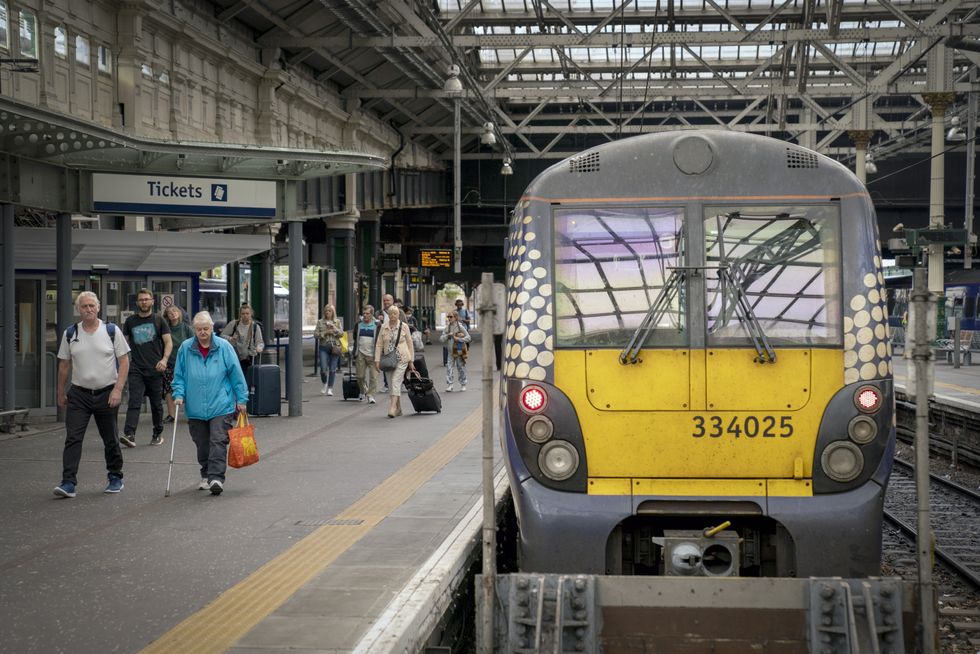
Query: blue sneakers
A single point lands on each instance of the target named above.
(65, 489)
(114, 486)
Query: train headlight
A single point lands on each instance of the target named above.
(867, 399)
(558, 460)
(539, 429)
(842, 461)
(862, 430)
(533, 399)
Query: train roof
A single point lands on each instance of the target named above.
(696, 164)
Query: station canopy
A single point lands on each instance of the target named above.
(552, 77)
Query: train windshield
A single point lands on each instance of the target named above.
(785, 261)
(610, 266)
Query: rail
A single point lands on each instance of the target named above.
(948, 533)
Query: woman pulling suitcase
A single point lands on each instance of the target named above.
(395, 355)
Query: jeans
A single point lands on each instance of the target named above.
(149, 384)
(329, 363)
(82, 405)
(456, 364)
(211, 439)
(367, 375)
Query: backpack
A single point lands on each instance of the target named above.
(73, 329)
(110, 327)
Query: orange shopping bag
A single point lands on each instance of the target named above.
(242, 450)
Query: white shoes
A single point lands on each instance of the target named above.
(329, 391)
(323, 391)
(204, 484)
(371, 399)
(449, 389)
(462, 389)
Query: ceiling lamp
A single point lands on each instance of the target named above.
(955, 132)
(870, 167)
(507, 169)
(453, 85)
(488, 137)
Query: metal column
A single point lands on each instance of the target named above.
(294, 359)
(971, 150)
(7, 309)
(64, 309)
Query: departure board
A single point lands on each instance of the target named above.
(436, 258)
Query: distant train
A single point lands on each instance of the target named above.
(212, 299)
(697, 378)
(962, 290)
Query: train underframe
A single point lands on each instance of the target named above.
(835, 534)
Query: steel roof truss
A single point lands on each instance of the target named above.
(901, 15)
(728, 16)
(714, 72)
(840, 64)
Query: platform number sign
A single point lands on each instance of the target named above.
(429, 258)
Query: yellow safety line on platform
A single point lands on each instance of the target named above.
(220, 624)
(952, 387)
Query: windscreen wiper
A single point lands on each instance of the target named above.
(657, 310)
(732, 282)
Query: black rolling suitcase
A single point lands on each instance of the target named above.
(264, 390)
(352, 390)
(423, 394)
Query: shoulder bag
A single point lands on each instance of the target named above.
(389, 360)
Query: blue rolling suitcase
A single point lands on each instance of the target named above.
(264, 390)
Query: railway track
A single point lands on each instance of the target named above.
(955, 513)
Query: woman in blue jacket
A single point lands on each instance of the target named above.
(208, 375)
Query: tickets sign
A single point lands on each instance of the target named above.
(182, 196)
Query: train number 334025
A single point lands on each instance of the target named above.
(743, 427)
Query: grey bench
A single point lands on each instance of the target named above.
(13, 417)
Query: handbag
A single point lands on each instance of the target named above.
(389, 360)
(242, 448)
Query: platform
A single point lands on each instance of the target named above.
(302, 551)
(959, 387)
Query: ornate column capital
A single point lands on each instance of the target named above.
(861, 137)
(938, 102)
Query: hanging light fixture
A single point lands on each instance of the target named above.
(870, 167)
(487, 137)
(453, 84)
(955, 132)
(507, 169)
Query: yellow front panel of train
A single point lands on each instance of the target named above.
(663, 376)
(774, 439)
(735, 382)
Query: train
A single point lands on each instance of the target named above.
(961, 287)
(697, 376)
(212, 299)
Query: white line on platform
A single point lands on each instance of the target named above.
(408, 620)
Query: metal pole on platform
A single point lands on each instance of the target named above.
(923, 303)
(487, 309)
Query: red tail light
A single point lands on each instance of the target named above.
(533, 399)
(867, 399)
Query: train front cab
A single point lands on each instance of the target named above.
(646, 468)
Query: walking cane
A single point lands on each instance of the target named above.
(173, 441)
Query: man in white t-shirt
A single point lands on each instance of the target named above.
(97, 356)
